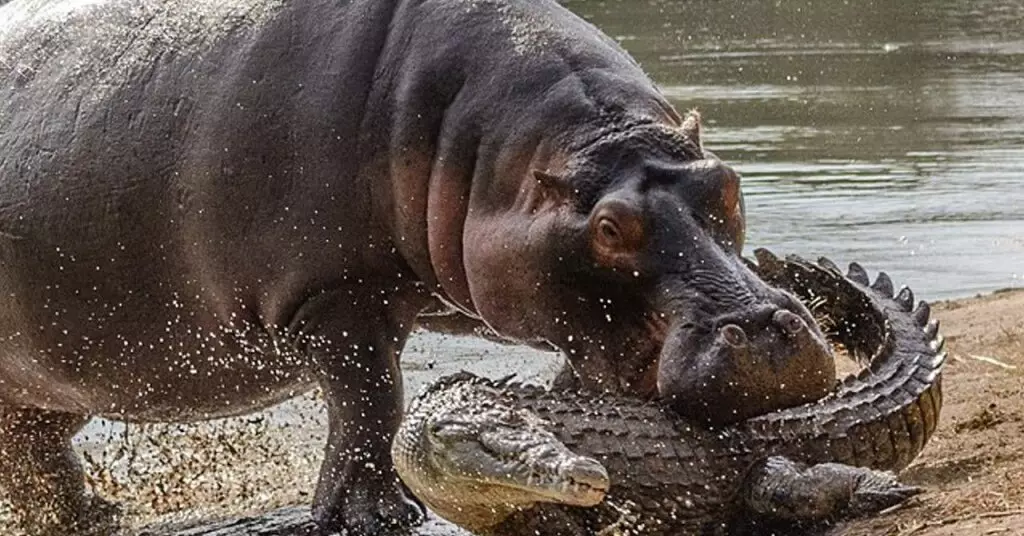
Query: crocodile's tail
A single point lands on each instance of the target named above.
(882, 417)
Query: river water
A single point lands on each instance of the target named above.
(890, 133)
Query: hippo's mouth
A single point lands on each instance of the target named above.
(745, 363)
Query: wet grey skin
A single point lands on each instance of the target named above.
(469, 443)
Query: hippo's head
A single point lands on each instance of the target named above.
(627, 258)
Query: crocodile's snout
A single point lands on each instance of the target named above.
(584, 480)
(476, 458)
(550, 471)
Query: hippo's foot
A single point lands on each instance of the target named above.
(366, 512)
(358, 490)
(99, 517)
(41, 477)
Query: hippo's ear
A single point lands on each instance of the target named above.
(691, 129)
(553, 186)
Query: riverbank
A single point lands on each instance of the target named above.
(973, 468)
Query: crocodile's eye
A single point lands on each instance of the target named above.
(512, 418)
(450, 430)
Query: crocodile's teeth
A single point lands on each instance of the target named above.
(883, 285)
(905, 297)
(827, 264)
(922, 313)
(931, 329)
(857, 274)
(937, 344)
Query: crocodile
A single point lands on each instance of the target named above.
(502, 458)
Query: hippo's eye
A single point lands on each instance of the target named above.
(617, 234)
(609, 230)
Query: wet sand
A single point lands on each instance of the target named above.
(973, 469)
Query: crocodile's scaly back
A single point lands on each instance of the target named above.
(670, 476)
(883, 416)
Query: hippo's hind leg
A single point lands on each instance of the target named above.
(356, 348)
(42, 477)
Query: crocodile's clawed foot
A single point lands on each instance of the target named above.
(784, 490)
(877, 491)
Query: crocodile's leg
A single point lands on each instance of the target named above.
(781, 490)
(548, 519)
(566, 380)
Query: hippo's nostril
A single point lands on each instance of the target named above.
(788, 321)
(734, 335)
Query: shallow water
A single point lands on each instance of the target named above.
(888, 133)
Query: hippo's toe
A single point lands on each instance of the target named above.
(100, 517)
(372, 513)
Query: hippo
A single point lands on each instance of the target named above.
(211, 206)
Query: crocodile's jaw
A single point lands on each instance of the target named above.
(478, 460)
(481, 502)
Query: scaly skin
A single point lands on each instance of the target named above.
(487, 460)
(673, 477)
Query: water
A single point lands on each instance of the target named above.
(888, 133)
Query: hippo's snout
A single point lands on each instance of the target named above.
(789, 323)
(760, 359)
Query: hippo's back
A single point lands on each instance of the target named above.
(89, 49)
(152, 226)
(100, 100)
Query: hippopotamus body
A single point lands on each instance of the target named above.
(209, 206)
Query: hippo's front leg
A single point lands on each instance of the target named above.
(355, 345)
